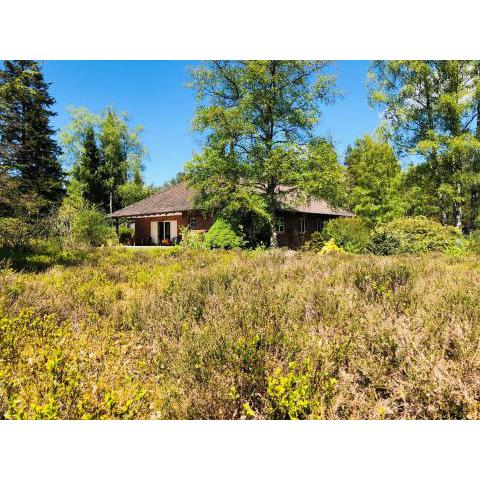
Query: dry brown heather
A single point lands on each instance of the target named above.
(157, 334)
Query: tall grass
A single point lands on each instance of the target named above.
(226, 334)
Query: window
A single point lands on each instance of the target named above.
(302, 225)
(193, 223)
(319, 224)
(280, 225)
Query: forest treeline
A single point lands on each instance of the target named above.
(257, 121)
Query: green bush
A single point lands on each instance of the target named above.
(222, 235)
(84, 225)
(192, 239)
(413, 235)
(14, 232)
(473, 242)
(384, 243)
(351, 234)
(315, 243)
(91, 227)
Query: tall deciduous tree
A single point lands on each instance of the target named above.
(432, 107)
(115, 161)
(258, 119)
(374, 180)
(28, 150)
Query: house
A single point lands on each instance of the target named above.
(161, 217)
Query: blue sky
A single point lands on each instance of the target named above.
(155, 95)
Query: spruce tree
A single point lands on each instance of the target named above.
(28, 150)
(88, 170)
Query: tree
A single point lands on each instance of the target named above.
(109, 170)
(87, 170)
(432, 108)
(115, 157)
(258, 119)
(28, 150)
(374, 180)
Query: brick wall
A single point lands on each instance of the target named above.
(143, 229)
(292, 236)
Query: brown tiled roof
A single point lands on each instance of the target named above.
(178, 198)
(320, 207)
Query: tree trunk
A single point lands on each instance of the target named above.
(472, 224)
(111, 202)
(458, 209)
(273, 233)
(443, 211)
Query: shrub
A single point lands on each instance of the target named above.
(126, 234)
(291, 396)
(384, 243)
(331, 247)
(473, 242)
(192, 239)
(412, 235)
(222, 235)
(378, 283)
(14, 232)
(351, 234)
(84, 225)
(315, 243)
(91, 227)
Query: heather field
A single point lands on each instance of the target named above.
(177, 334)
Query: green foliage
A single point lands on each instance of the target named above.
(431, 107)
(222, 235)
(473, 242)
(413, 235)
(384, 242)
(87, 170)
(14, 232)
(131, 192)
(106, 156)
(90, 227)
(256, 115)
(350, 233)
(28, 150)
(80, 223)
(374, 178)
(315, 243)
(193, 240)
(39, 255)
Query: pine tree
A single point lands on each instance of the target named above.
(28, 150)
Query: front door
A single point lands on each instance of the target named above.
(163, 231)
